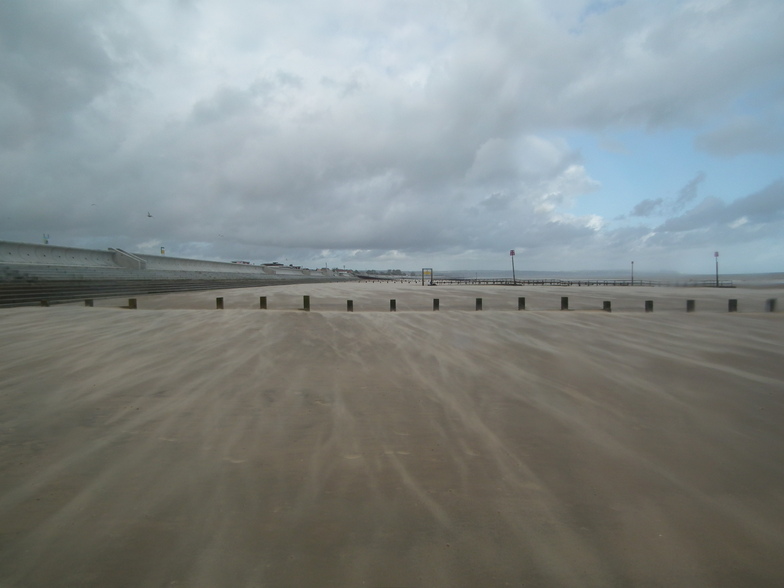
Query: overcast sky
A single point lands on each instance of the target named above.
(399, 134)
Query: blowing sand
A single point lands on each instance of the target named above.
(179, 445)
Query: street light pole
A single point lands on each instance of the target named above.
(716, 255)
(512, 254)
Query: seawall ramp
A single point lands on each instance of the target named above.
(165, 263)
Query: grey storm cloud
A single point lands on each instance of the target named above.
(647, 207)
(745, 135)
(762, 208)
(253, 129)
(668, 207)
(689, 192)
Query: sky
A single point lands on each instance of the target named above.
(399, 134)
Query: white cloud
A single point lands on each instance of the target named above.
(416, 127)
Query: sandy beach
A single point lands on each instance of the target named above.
(180, 445)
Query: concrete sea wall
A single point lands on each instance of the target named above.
(32, 254)
(29, 253)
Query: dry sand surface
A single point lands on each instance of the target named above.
(179, 445)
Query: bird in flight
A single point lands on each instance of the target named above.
(148, 214)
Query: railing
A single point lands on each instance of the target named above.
(578, 282)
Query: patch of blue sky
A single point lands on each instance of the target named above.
(634, 166)
(592, 9)
(599, 7)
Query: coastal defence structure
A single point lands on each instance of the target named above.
(36, 256)
(31, 273)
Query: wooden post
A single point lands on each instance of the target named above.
(649, 306)
(263, 302)
(564, 303)
(393, 305)
(479, 304)
(690, 305)
(770, 305)
(219, 303)
(607, 306)
(88, 302)
(349, 305)
(521, 303)
(436, 303)
(132, 303)
(733, 305)
(306, 303)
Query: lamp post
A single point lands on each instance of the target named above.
(512, 254)
(632, 274)
(716, 255)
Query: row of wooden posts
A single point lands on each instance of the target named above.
(732, 305)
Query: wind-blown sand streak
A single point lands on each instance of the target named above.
(176, 446)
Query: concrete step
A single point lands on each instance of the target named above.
(53, 292)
